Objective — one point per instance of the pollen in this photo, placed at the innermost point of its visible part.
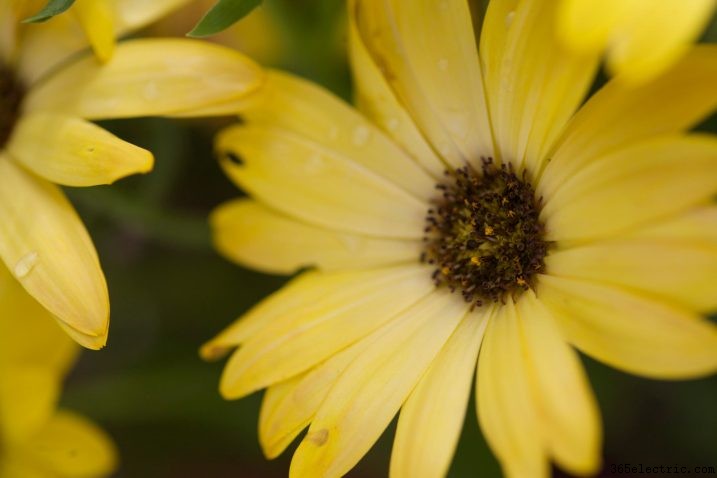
(11, 93)
(484, 234)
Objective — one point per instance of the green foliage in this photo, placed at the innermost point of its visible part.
(223, 15)
(51, 8)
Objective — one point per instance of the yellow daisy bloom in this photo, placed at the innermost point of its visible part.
(475, 213)
(36, 440)
(47, 139)
(642, 37)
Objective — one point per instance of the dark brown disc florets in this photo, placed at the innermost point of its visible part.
(484, 234)
(11, 93)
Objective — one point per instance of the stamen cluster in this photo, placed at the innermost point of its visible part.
(11, 93)
(484, 234)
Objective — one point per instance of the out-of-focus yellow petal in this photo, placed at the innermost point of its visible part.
(148, 77)
(29, 335)
(288, 407)
(533, 85)
(507, 412)
(568, 413)
(45, 245)
(97, 20)
(681, 270)
(298, 294)
(45, 47)
(437, 77)
(254, 235)
(631, 332)
(431, 419)
(303, 338)
(642, 37)
(71, 446)
(306, 180)
(296, 105)
(632, 187)
(373, 96)
(74, 152)
(133, 14)
(28, 396)
(616, 116)
(370, 391)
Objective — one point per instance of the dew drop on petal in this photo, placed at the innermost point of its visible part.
(509, 19)
(151, 91)
(318, 437)
(25, 265)
(361, 135)
(314, 164)
(392, 124)
(443, 64)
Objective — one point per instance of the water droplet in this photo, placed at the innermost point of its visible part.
(443, 64)
(509, 19)
(25, 265)
(314, 164)
(151, 91)
(352, 243)
(361, 135)
(319, 437)
(392, 124)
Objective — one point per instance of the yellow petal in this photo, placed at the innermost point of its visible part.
(431, 419)
(254, 235)
(148, 77)
(29, 335)
(133, 14)
(587, 25)
(288, 407)
(308, 181)
(299, 293)
(437, 77)
(50, 252)
(45, 48)
(73, 152)
(569, 415)
(533, 84)
(369, 393)
(97, 20)
(616, 115)
(642, 37)
(297, 341)
(678, 270)
(698, 224)
(633, 186)
(72, 446)
(631, 332)
(28, 396)
(652, 37)
(507, 413)
(373, 96)
(296, 105)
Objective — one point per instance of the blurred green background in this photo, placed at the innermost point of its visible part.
(170, 292)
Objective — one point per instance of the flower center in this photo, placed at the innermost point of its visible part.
(484, 234)
(11, 93)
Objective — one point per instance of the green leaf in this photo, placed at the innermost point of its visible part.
(223, 15)
(52, 8)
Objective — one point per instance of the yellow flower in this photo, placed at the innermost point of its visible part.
(47, 139)
(36, 440)
(642, 37)
(556, 225)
